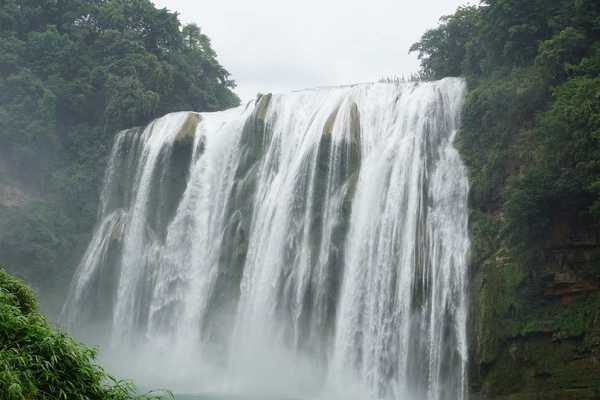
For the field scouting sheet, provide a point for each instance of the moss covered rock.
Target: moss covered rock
(535, 328)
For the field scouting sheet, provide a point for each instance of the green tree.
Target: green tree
(532, 69)
(72, 74)
(443, 50)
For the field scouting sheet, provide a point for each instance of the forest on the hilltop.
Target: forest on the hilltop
(531, 133)
(72, 74)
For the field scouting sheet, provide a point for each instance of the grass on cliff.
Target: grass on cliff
(38, 362)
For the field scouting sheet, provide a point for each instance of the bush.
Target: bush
(37, 362)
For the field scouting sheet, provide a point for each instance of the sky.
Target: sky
(282, 45)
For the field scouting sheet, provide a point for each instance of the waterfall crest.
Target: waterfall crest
(312, 244)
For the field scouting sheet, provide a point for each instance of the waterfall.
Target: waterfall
(312, 244)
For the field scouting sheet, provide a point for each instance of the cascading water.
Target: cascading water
(312, 244)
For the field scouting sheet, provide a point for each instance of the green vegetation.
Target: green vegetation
(37, 362)
(531, 139)
(531, 125)
(73, 73)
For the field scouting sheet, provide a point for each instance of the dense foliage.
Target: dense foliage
(73, 73)
(37, 362)
(531, 128)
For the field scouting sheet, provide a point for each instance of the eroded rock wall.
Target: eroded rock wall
(535, 328)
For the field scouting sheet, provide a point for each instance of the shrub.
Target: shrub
(38, 362)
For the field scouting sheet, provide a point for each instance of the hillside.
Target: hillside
(531, 139)
(72, 74)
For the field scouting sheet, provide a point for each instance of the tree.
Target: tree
(72, 74)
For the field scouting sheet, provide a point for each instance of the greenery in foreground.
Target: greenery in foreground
(72, 74)
(531, 122)
(39, 363)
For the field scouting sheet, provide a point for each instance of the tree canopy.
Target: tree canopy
(532, 116)
(72, 74)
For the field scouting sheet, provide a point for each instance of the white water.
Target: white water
(312, 244)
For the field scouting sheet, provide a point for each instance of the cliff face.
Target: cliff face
(535, 330)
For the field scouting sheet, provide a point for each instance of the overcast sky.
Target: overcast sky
(283, 45)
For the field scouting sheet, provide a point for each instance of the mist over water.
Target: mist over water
(306, 245)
